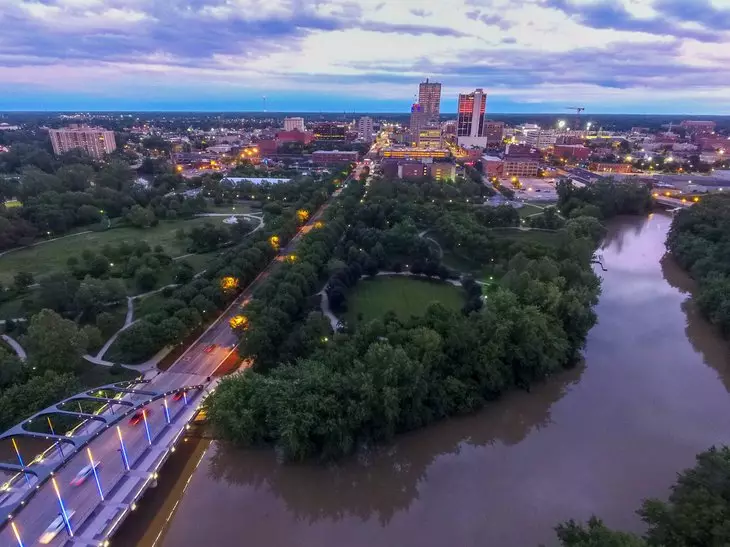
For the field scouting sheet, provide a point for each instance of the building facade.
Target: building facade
(520, 167)
(95, 141)
(622, 168)
(329, 131)
(291, 124)
(429, 97)
(470, 122)
(365, 129)
(541, 139)
(494, 131)
(572, 152)
(333, 157)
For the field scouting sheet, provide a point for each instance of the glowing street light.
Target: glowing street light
(238, 322)
(302, 215)
(274, 241)
(229, 283)
(561, 124)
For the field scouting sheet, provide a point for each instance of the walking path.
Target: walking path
(16, 347)
(45, 241)
(129, 320)
(422, 235)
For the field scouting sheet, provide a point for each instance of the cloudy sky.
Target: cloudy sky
(654, 56)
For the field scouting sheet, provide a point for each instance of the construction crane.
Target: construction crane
(578, 110)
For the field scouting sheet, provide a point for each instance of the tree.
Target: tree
(595, 534)
(23, 280)
(54, 343)
(106, 323)
(93, 336)
(146, 278)
(141, 217)
(22, 400)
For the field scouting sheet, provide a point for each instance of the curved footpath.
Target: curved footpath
(17, 348)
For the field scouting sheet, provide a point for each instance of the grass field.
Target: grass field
(536, 236)
(527, 210)
(403, 295)
(51, 257)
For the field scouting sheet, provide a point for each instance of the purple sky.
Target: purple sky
(654, 56)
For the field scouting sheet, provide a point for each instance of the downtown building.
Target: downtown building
(294, 124)
(95, 141)
(425, 115)
(365, 129)
(470, 122)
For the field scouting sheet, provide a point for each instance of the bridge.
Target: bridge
(675, 203)
(122, 435)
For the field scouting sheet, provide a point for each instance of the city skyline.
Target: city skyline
(530, 56)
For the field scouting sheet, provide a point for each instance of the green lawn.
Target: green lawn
(536, 236)
(527, 210)
(51, 257)
(403, 295)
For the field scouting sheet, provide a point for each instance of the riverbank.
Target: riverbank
(594, 439)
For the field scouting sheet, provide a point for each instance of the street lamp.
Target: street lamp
(561, 124)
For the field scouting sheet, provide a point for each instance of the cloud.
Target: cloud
(365, 50)
(671, 17)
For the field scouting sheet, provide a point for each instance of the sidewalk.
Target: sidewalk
(16, 347)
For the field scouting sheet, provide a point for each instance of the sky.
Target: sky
(609, 56)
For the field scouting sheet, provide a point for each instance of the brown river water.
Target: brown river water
(595, 440)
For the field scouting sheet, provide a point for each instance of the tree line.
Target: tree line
(696, 514)
(699, 240)
(338, 392)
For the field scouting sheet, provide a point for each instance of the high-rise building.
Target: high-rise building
(365, 129)
(416, 122)
(95, 141)
(290, 124)
(470, 123)
(429, 97)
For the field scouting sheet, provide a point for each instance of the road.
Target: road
(192, 367)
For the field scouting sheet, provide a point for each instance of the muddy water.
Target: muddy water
(597, 439)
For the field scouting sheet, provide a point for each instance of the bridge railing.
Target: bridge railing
(43, 471)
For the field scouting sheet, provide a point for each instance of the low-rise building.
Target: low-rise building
(333, 157)
(407, 152)
(520, 167)
(600, 167)
(572, 152)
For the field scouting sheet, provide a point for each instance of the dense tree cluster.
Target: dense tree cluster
(199, 299)
(697, 513)
(55, 346)
(59, 194)
(699, 240)
(329, 396)
(604, 198)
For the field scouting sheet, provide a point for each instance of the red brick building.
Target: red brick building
(294, 136)
(571, 152)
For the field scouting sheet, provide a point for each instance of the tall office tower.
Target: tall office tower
(290, 124)
(429, 97)
(365, 129)
(95, 141)
(416, 122)
(470, 123)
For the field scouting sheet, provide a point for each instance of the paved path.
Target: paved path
(16, 347)
(422, 235)
(45, 241)
(324, 305)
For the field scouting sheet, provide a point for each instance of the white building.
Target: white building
(95, 141)
(540, 138)
(365, 129)
(290, 124)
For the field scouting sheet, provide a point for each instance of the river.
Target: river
(595, 440)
